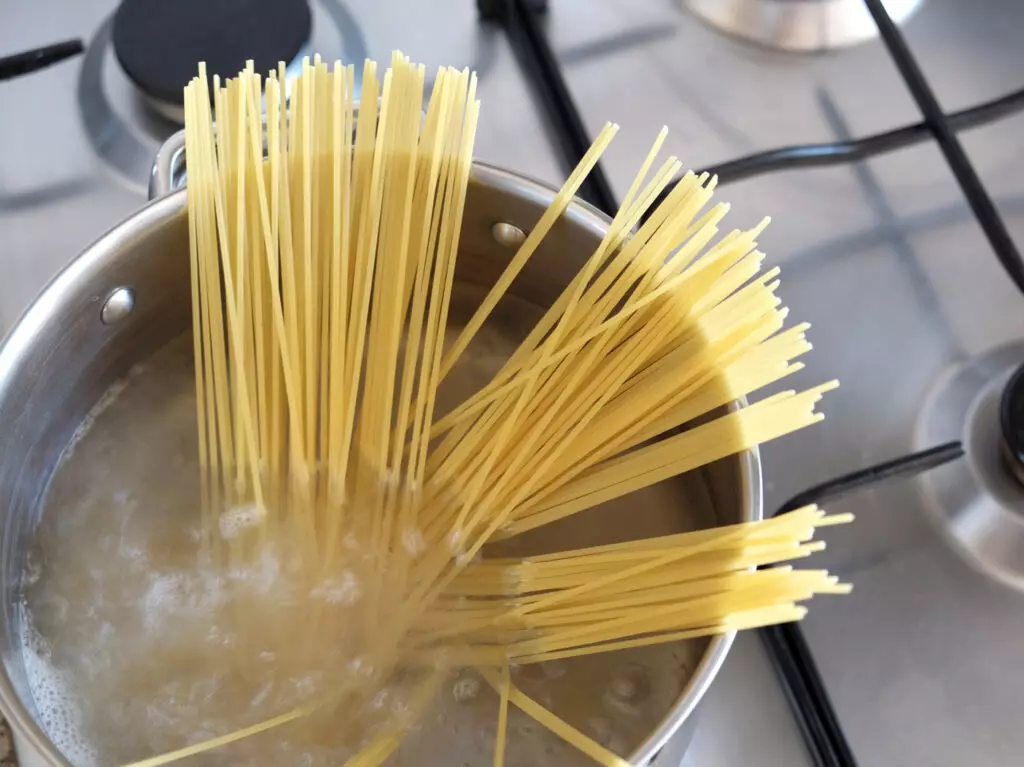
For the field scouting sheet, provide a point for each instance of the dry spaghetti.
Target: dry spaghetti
(323, 247)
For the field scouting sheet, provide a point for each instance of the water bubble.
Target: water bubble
(344, 590)
(632, 684)
(262, 695)
(413, 542)
(238, 518)
(600, 728)
(33, 568)
(466, 688)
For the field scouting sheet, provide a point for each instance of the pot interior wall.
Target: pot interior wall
(61, 359)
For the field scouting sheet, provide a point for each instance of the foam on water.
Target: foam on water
(56, 706)
(237, 519)
(178, 596)
(109, 397)
(131, 648)
(344, 590)
(466, 687)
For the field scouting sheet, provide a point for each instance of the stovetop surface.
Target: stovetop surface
(925, 660)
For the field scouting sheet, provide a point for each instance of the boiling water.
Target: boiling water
(133, 649)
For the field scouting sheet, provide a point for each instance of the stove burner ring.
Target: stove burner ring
(128, 138)
(978, 502)
(157, 43)
(1011, 423)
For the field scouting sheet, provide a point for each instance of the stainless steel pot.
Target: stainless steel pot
(128, 294)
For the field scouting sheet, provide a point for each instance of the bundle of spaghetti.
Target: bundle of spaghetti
(632, 594)
(651, 336)
(333, 261)
(323, 247)
(323, 241)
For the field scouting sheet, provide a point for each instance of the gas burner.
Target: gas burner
(979, 502)
(129, 87)
(798, 25)
(158, 43)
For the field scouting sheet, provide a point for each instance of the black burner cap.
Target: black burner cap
(1011, 420)
(160, 42)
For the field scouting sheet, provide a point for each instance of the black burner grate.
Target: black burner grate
(520, 19)
(787, 648)
(26, 62)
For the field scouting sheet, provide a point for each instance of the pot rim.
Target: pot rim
(46, 308)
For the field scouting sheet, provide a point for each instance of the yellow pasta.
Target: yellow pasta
(598, 753)
(324, 234)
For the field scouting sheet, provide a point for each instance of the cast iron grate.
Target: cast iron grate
(790, 655)
(787, 648)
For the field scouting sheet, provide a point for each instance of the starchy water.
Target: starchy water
(136, 644)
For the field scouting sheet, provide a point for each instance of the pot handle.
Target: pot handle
(168, 171)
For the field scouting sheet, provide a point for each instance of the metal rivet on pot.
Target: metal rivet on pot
(119, 304)
(507, 234)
